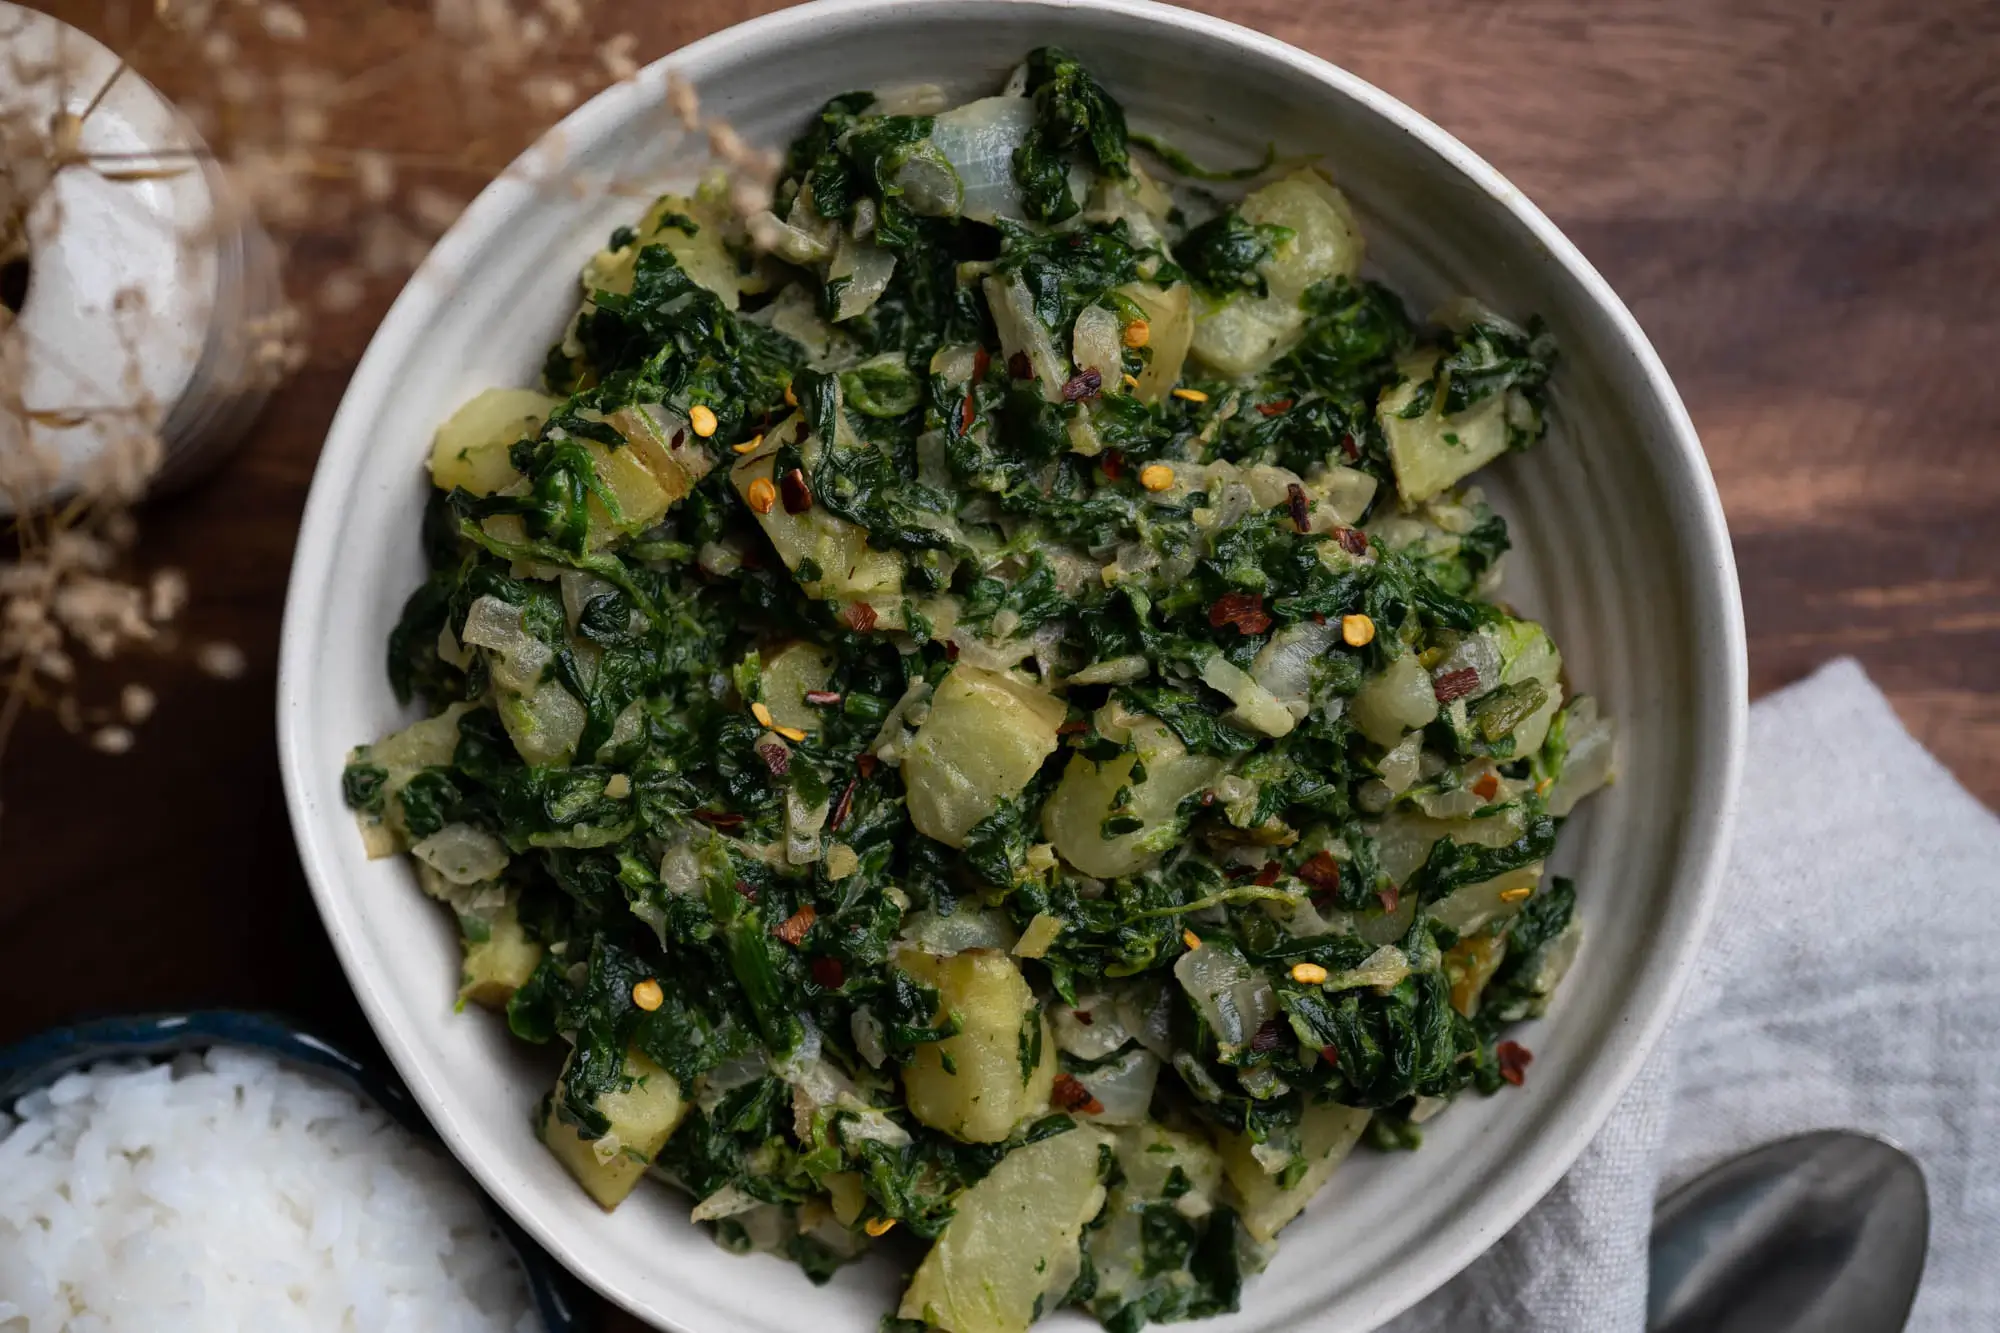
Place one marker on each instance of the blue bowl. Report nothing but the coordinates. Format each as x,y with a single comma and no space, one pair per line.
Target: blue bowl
41,1060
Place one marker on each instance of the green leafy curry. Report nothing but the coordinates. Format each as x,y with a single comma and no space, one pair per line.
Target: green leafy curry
971,714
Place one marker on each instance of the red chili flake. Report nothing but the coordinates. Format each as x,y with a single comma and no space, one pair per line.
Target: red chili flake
1514,1061
951,650
966,412
858,616
1070,1095
1245,610
1267,1037
1268,876
680,436
842,805
794,927
1487,787
1295,497
1086,383
1390,897
1113,464
747,889
1020,367
1328,1054
1352,449
776,758
1352,540
1239,872
1208,798
719,818
798,496
822,698
1277,409
867,764
1083,1016
1321,871
1073,727
1319,617
828,972
1455,684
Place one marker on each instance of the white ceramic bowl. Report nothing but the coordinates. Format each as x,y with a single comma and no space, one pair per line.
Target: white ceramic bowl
1620,546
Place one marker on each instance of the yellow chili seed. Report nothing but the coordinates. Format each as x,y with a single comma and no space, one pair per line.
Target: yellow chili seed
878,1226
702,417
1515,895
617,787
1138,333
1542,787
763,715
648,995
1192,940
763,495
792,734
791,399
1156,476
1357,631
749,446
1191,395
1308,974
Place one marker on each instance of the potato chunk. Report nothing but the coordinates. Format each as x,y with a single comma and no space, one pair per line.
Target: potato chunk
1245,333
643,1118
849,569
1327,1133
471,447
1434,452
1013,1239
998,1069
986,736
1074,817
500,964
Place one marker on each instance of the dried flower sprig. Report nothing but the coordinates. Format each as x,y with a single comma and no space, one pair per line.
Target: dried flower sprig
285,135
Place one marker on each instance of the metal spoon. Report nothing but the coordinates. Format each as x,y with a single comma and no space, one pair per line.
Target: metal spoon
1823,1233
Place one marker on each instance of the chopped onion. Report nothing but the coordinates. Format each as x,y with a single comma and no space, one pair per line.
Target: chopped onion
979,141
1097,344
896,730
1233,997
1022,331
1344,494
964,929
1399,766
718,559
1104,1033
1113,671
1476,906
860,1123
728,1201
802,827
578,591
929,183
1256,707
1284,665
463,854
728,1076
866,1030
545,725
1386,967
1123,1087
1395,700
519,657
1270,486
1591,758
867,268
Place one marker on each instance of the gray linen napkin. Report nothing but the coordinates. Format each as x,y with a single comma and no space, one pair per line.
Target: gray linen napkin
1851,980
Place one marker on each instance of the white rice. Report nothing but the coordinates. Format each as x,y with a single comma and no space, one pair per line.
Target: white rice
227,1192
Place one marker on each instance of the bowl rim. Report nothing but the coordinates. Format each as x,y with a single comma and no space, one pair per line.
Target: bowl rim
1719,724
39,1060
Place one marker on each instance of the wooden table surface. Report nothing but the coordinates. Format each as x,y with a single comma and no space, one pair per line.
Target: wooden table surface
1801,202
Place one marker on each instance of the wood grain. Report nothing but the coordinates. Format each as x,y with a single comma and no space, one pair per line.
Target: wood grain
1799,201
